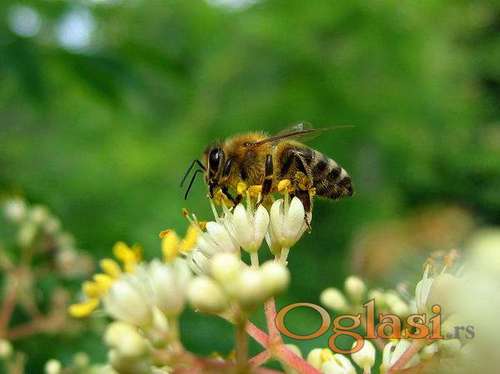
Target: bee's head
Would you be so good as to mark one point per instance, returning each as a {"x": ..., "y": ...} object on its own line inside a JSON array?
[{"x": 214, "y": 161}]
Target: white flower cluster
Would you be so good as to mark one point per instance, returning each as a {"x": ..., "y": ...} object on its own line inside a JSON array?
[
  {"x": 356, "y": 293},
  {"x": 224, "y": 280},
  {"x": 230, "y": 281},
  {"x": 246, "y": 227},
  {"x": 327, "y": 362},
  {"x": 35, "y": 224},
  {"x": 134, "y": 297}
]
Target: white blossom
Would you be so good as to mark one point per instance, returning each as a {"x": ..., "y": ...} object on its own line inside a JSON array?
[
  {"x": 216, "y": 239},
  {"x": 287, "y": 224},
  {"x": 248, "y": 226},
  {"x": 334, "y": 299},
  {"x": 169, "y": 285},
  {"x": 365, "y": 357},
  {"x": 130, "y": 299},
  {"x": 207, "y": 296},
  {"x": 338, "y": 364}
]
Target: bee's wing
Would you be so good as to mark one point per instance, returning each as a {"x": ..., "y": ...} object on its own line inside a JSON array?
[{"x": 302, "y": 131}]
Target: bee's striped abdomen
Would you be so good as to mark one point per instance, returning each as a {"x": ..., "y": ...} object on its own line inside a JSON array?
[{"x": 329, "y": 178}]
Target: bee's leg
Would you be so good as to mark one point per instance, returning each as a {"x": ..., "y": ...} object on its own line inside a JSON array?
[
  {"x": 226, "y": 171},
  {"x": 302, "y": 190},
  {"x": 226, "y": 192},
  {"x": 268, "y": 178}
]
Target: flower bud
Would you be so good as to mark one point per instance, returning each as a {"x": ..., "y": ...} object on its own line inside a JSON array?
[
  {"x": 338, "y": 364},
  {"x": 318, "y": 356},
  {"x": 128, "y": 365},
  {"x": 81, "y": 360},
  {"x": 379, "y": 297},
  {"x": 396, "y": 304},
  {"x": 355, "y": 288},
  {"x": 52, "y": 225},
  {"x": 38, "y": 214},
  {"x": 251, "y": 288},
  {"x": 5, "y": 349},
  {"x": 207, "y": 296},
  {"x": 15, "y": 210},
  {"x": 53, "y": 367},
  {"x": 26, "y": 234},
  {"x": 334, "y": 299},
  {"x": 392, "y": 353},
  {"x": 169, "y": 284},
  {"x": 287, "y": 224},
  {"x": 249, "y": 227},
  {"x": 126, "y": 340},
  {"x": 365, "y": 357},
  {"x": 275, "y": 277},
  {"x": 225, "y": 267}
]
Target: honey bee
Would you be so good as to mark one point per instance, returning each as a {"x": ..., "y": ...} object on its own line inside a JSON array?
[{"x": 258, "y": 159}]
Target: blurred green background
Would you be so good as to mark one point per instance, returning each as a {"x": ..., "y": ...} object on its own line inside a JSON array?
[{"x": 104, "y": 103}]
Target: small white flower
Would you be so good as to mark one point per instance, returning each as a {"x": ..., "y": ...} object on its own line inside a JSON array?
[
  {"x": 334, "y": 299},
  {"x": 39, "y": 214},
  {"x": 276, "y": 277},
  {"x": 250, "y": 288},
  {"x": 130, "y": 299},
  {"x": 338, "y": 364},
  {"x": 225, "y": 268},
  {"x": 216, "y": 239},
  {"x": 53, "y": 367},
  {"x": 396, "y": 304},
  {"x": 318, "y": 356},
  {"x": 169, "y": 285},
  {"x": 287, "y": 224},
  {"x": 355, "y": 288},
  {"x": 5, "y": 349},
  {"x": 126, "y": 340},
  {"x": 15, "y": 210},
  {"x": 198, "y": 262},
  {"x": 207, "y": 296},
  {"x": 423, "y": 290},
  {"x": 365, "y": 357},
  {"x": 392, "y": 353},
  {"x": 249, "y": 227},
  {"x": 26, "y": 234},
  {"x": 436, "y": 290}
]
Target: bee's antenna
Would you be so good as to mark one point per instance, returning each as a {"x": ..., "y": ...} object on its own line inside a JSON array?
[
  {"x": 191, "y": 182},
  {"x": 194, "y": 162}
]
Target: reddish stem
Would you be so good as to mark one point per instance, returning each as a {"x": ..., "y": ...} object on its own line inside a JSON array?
[
  {"x": 257, "y": 334},
  {"x": 290, "y": 359},
  {"x": 412, "y": 350},
  {"x": 270, "y": 311},
  {"x": 260, "y": 358},
  {"x": 7, "y": 308},
  {"x": 26, "y": 329}
]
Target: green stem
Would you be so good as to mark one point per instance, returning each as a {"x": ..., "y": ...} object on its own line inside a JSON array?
[
  {"x": 284, "y": 255},
  {"x": 241, "y": 347},
  {"x": 254, "y": 258}
]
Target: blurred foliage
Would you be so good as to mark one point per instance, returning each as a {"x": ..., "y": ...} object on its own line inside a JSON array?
[{"x": 102, "y": 133}]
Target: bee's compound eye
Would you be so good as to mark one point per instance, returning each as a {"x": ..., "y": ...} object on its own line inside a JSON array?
[{"x": 215, "y": 158}]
